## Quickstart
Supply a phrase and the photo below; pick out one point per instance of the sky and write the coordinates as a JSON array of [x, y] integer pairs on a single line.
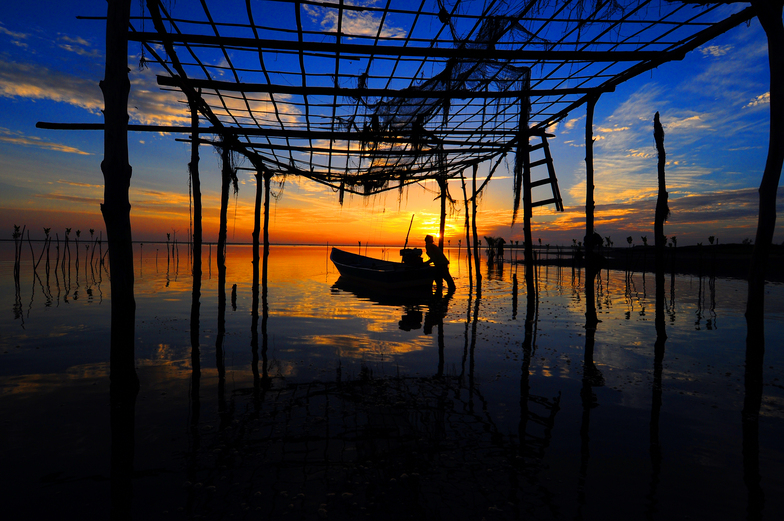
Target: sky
[[714, 108]]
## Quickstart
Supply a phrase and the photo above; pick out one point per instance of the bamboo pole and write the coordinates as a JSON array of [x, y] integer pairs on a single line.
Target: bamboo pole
[[468, 236], [770, 16], [442, 185], [116, 207], [196, 268], [449, 93], [523, 166], [477, 266], [590, 257], [662, 211], [264, 270], [226, 175], [459, 53]]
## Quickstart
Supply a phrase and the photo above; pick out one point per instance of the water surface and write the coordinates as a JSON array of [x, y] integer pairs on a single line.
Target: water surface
[[344, 404]]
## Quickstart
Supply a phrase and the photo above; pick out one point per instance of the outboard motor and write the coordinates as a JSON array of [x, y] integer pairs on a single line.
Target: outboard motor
[[411, 256]]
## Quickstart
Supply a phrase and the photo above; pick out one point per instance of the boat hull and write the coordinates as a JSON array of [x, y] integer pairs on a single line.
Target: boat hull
[[379, 273]]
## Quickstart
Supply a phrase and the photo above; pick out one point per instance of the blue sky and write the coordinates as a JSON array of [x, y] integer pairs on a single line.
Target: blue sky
[[713, 105]]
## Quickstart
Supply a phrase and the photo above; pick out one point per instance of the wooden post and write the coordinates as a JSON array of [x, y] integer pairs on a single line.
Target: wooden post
[[523, 165], [257, 226], [476, 235], [264, 271], [769, 14], [590, 255], [116, 208], [226, 176], [468, 235], [255, 285], [442, 185], [662, 211], [193, 168]]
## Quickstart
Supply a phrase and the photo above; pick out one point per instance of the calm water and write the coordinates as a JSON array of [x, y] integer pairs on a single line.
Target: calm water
[[387, 408]]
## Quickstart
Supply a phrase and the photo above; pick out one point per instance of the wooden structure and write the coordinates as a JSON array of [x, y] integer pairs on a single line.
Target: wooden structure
[[366, 97]]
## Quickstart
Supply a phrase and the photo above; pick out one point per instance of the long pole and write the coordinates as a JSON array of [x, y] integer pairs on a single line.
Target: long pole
[[590, 259], [662, 211], [409, 231]]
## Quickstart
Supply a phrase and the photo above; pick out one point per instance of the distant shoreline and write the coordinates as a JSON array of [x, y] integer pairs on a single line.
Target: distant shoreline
[[720, 260]]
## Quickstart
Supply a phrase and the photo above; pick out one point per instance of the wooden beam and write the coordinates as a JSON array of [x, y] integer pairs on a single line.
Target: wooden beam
[[466, 148], [227, 86], [399, 136], [348, 51]]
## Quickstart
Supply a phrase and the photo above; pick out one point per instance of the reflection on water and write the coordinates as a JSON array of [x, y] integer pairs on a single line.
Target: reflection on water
[[315, 399]]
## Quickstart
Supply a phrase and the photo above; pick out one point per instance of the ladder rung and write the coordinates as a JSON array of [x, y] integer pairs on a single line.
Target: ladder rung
[[531, 148], [541, 182], [546, 201], [539, 163]]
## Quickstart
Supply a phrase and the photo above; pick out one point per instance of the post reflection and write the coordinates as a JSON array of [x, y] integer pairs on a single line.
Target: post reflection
[[592, 377], [430, 398], [750, 415]]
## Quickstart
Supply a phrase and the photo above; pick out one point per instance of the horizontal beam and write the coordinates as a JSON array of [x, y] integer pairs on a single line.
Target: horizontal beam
[[227, 86], [466, 149], [347, 50], [399, 137]]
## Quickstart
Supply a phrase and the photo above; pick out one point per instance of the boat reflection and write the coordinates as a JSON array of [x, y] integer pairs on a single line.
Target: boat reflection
[[422, 307]]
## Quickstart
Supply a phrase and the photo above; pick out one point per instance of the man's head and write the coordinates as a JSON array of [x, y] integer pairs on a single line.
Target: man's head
[[428, 239]]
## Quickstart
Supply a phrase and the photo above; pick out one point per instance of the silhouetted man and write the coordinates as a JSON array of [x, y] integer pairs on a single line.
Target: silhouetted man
[[441, 263]]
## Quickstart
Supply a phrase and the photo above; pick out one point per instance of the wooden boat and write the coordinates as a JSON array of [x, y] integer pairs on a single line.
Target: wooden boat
[[408, 275]]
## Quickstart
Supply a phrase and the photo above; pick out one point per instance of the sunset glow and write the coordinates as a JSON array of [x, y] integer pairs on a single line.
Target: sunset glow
[[714, 106]]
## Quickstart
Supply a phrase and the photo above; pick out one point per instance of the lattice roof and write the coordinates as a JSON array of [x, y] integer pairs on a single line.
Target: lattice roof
[[368, 95]]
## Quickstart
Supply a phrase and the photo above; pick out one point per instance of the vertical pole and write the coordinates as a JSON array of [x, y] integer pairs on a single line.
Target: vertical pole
[[770, 16], [257, 228], [590, 257], [476, 235], [226, 175], [662, 211], [196, 270], [442, 185], [524, 162], [264, 271], [267, 181], [193, 167], [116, 208], [468, 236], [255, 286]]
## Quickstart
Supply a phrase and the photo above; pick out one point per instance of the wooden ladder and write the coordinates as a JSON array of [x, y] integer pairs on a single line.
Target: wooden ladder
[[550, 179]]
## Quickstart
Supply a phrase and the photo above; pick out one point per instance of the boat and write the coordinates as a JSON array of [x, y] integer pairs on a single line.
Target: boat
[[411, 274]]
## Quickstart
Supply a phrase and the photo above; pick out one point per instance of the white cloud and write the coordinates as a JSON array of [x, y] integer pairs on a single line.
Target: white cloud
[[606, 130], [12, 34], [74, 40], [354, 23], [37, 83], [18, 138], [762, 99], [715, 50], [571, 123], [91, 53], [147, 104]]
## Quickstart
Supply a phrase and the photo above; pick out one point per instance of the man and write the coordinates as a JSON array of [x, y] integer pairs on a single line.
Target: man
[[441, 263]]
